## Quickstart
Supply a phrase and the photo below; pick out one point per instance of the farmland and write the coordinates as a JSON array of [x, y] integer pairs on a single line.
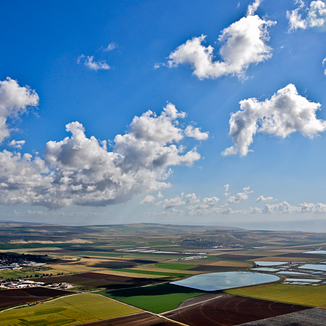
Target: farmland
[[296, 294], [156, 298], [71, 310], [10, 298], [230, 310], [100, 280], [135, 264]]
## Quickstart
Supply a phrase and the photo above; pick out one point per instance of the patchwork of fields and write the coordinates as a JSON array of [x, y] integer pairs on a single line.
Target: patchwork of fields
[[70, 310], [131, 267]]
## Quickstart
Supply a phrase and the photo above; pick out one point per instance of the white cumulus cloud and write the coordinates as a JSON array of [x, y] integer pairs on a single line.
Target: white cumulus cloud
[[196, 133], [303, 17], [149, 199], [203, 207], [241, 196], [192, 198], [243, 44], [286, 112], [173, 202], [286, 208], [14, 101], [80, 170]]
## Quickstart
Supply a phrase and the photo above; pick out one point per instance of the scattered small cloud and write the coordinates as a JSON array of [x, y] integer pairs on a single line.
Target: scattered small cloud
[[110, 47], [241, 196], [89, 62], [263, 199], [324, 64], [204, 207], [226, 189], [17, 144], [286, 112]]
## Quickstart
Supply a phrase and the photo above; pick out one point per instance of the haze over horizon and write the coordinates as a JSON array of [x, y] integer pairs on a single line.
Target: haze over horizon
[[185, 112]]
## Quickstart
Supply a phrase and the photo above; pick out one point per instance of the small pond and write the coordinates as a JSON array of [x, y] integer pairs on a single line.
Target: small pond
[[225, 280]]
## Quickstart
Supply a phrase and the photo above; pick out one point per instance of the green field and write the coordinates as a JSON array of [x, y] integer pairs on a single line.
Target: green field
[[71, 310], [297, 294], [156, 298], [180, 267]]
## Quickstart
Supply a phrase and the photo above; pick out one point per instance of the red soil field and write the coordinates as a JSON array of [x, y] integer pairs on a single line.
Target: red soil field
[[229, 310], [302, 255], [99, 280], [14, 297], [208, 268], [238, 257], [141, 319]]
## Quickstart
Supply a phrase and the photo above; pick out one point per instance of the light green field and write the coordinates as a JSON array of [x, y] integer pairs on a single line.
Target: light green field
[[15, 274], [175, 266], [71, 310], [306, 295]]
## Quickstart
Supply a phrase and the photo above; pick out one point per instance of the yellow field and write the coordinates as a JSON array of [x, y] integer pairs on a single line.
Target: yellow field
[[306, 295], [70, 310], [31, 250], [67, 268], [75, 266], [230, 264], [120, 273], [152, 268]]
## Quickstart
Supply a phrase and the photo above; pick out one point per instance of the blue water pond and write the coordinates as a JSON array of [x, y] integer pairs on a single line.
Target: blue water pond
[[225, 280]]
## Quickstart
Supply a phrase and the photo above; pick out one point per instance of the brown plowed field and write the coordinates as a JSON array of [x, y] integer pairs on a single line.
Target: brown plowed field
[[142, 319], [99, 280], [229, 310], [9, 298], [239, 257], [302, 255], [210, 268]]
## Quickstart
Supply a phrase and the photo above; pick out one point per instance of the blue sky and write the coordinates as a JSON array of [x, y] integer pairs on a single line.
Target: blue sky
[[185, 112]]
